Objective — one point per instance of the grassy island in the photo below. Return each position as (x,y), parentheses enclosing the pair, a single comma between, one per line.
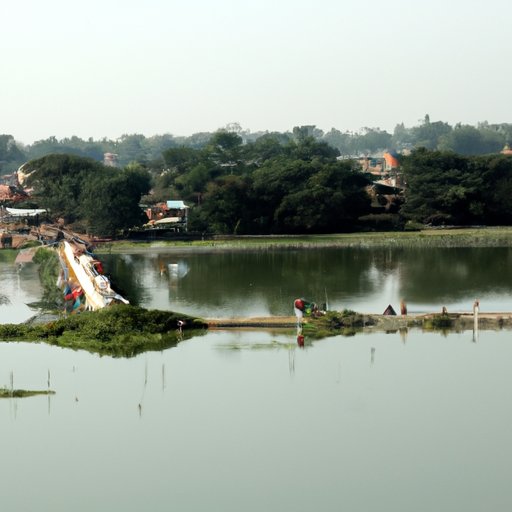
(119,331)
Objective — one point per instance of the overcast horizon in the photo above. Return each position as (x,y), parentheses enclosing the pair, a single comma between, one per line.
(104,69)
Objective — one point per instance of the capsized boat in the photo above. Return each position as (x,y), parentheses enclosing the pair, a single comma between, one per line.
(82,279)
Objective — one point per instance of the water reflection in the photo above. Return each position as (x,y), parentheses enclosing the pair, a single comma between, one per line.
(19,287)
(267,410)
(266,282)
(269,415)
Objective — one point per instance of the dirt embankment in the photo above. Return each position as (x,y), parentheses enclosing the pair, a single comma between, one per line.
(454,321)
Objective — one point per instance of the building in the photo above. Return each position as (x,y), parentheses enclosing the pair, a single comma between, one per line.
(391,162)
(171,215)
(110,159)
(10,194)
(506,150)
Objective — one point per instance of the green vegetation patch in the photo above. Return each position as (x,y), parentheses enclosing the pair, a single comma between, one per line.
(120,330)
(346,323)
(438,322)
(23,393)
(48,262)
(435,237)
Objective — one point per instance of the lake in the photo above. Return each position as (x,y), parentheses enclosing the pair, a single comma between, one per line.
(246,420)
(227,284)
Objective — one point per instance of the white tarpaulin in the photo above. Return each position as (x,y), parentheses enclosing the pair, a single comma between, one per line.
(22,212)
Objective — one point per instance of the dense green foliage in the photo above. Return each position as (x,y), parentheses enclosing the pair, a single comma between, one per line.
(267,186)
(103,199)
(238,182)
(120,330)
(464,139)
(447,188)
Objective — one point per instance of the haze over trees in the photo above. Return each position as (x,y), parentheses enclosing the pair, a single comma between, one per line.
(303,181)
(481,139)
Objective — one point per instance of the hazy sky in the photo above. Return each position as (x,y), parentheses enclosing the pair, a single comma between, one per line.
(102,68)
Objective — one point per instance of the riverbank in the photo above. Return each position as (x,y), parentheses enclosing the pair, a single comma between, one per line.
(457,237)
(500,236)
(115,335)
(125,331)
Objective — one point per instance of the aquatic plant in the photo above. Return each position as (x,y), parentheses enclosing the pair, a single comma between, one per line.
(22,393)
(346,322)
(438,322)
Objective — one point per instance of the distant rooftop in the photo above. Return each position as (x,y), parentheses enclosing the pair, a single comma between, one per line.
(176,205)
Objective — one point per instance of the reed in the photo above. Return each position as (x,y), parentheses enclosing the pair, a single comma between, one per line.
(435,237)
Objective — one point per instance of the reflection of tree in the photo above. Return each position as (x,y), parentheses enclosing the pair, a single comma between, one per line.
(125,277)
(274,278)
(454,273)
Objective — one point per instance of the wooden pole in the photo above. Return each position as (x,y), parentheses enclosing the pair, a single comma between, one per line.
(476,308)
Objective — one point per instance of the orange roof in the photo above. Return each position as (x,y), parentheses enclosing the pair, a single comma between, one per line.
(391,161)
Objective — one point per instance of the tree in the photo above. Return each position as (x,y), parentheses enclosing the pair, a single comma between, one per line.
(181,158)
(331,201)
(468,140)
(57,181)
(309,148)
(111,203)
(372,140)
(225,147)
(341,141)
(132,148)
(402,137)
(429,134)
(300,133)
(78,189)
(446,188)
(226,205)
(11,156)
(316,195)
(266,147)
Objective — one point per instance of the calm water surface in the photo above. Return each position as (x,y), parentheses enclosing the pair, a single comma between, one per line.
(248,421)
(222,423)
(261,283)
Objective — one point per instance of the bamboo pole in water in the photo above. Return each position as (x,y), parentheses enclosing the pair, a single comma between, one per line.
(476,308)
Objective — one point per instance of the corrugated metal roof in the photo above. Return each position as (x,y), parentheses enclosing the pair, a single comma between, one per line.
(178,205)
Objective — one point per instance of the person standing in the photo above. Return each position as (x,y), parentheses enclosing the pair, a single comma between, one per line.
(298,307)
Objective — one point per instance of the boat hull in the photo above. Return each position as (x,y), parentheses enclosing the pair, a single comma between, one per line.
(80,269)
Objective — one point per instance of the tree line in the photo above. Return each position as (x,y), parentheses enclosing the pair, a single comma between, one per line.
(273,185)
(262,187)
(465,139)
(446,188)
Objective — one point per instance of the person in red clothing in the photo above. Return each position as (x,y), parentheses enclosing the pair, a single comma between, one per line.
(75,296)
(298,307)
(303,307)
